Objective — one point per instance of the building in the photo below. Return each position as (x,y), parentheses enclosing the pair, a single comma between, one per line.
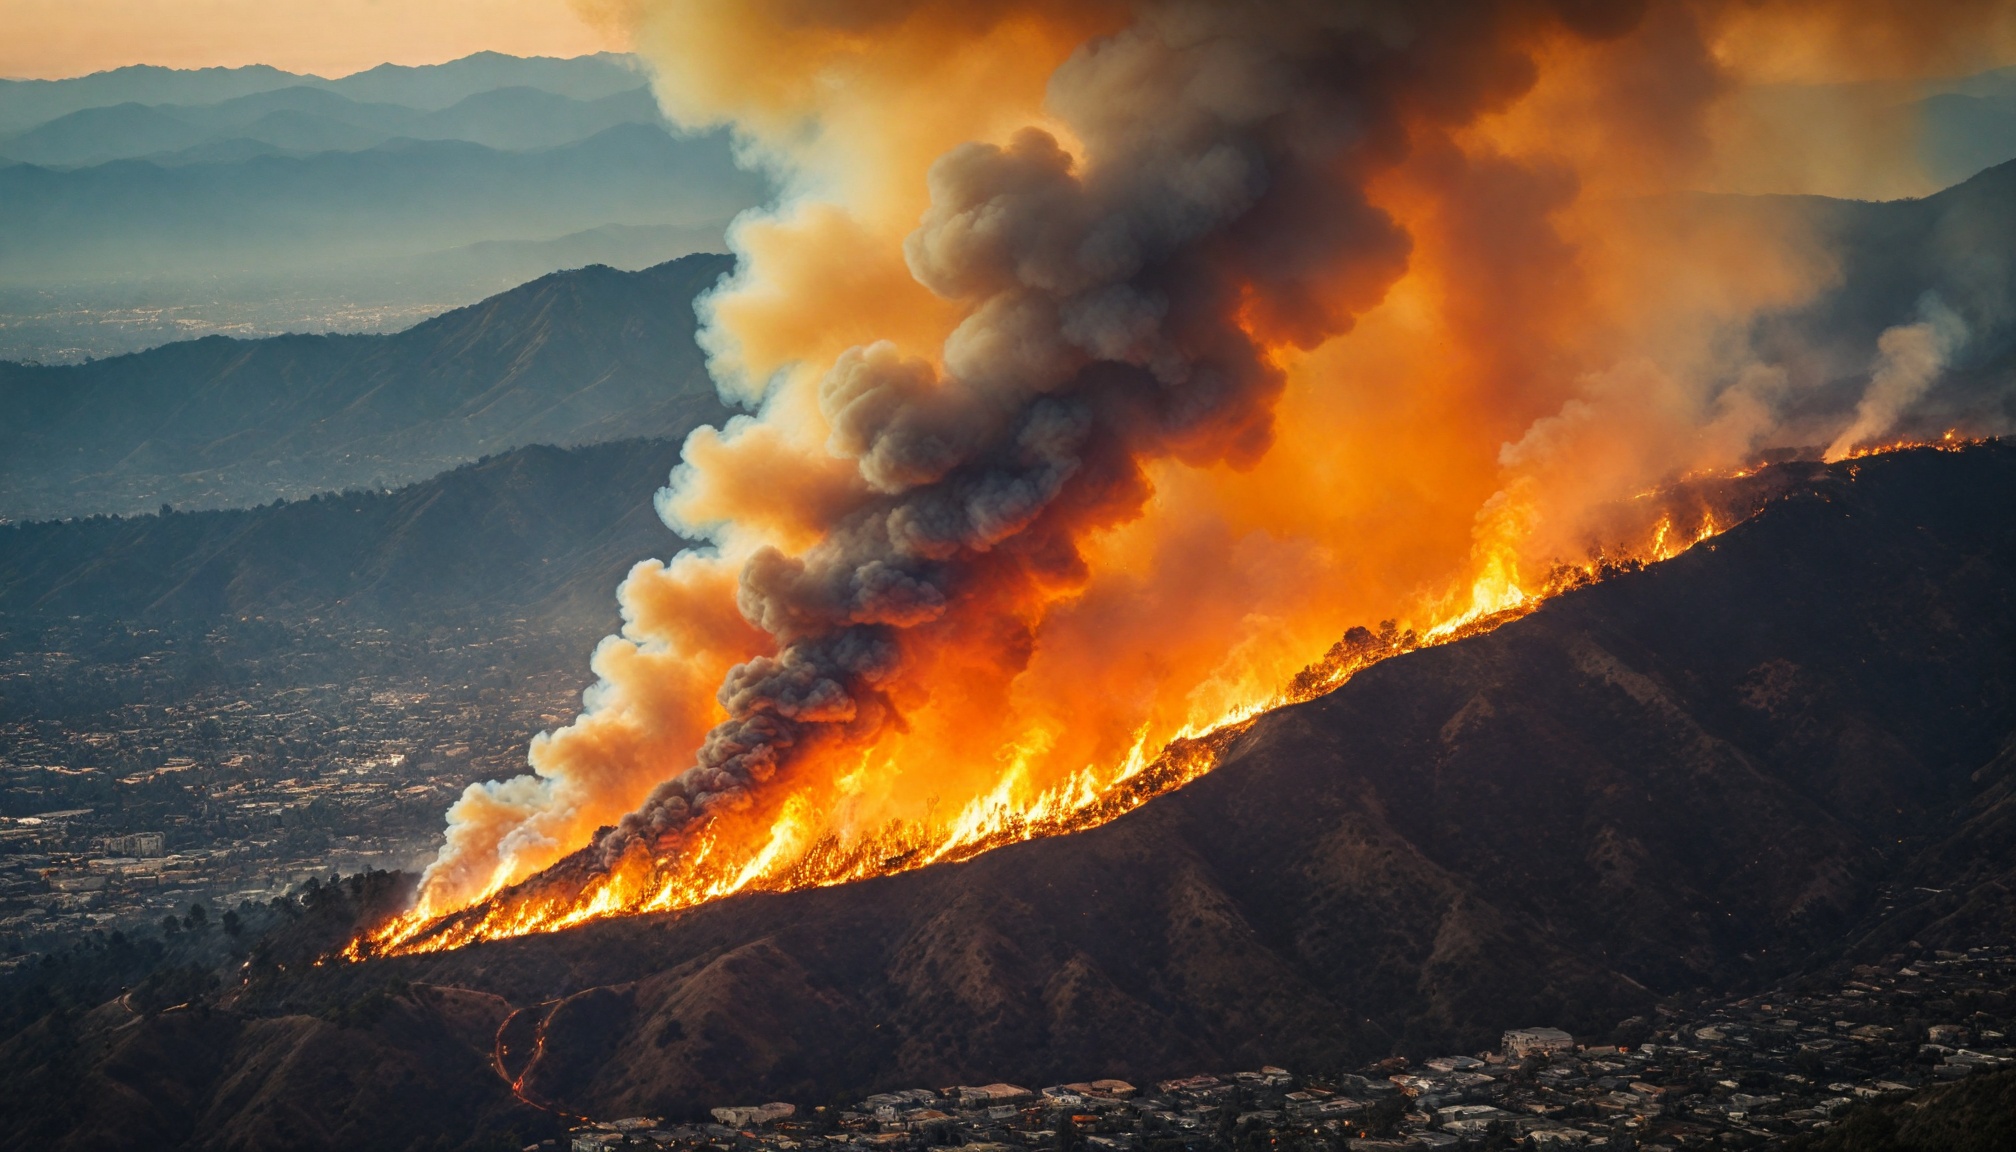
(146,845)
(1520,1043)
(754,1116)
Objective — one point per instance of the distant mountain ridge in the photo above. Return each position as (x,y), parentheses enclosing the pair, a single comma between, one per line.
(147,203)
(1885,260)
(307,119)
(26,103)
(132,217)
(572,358)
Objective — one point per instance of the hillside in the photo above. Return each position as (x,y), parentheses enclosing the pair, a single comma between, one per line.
(573,358)
(1696,778)
(1711,775)
(537,530)
(1881,263)
(1959,245)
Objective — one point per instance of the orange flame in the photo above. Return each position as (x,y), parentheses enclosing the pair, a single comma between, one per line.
(793,848)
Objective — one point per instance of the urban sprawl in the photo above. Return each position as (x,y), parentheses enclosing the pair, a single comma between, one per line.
(114,817)
(1748,1073)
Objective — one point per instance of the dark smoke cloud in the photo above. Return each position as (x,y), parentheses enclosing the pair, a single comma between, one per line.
(1120,299)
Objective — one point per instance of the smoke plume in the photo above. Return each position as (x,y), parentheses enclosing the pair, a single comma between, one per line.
(1909,358)
(1106,360)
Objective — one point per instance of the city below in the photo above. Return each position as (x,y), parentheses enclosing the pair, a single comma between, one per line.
(1749,1073)
(164,793)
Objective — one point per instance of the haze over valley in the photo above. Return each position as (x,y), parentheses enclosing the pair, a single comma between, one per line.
(145,205)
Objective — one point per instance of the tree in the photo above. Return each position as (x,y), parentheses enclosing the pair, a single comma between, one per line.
(198,916)
(232,925)
(1067,1134)
(170,925)
(1383,1118)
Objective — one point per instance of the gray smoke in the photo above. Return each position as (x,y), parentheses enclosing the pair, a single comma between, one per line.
(1117,305)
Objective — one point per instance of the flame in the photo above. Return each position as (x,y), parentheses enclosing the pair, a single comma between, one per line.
(798,847)
(1951,441)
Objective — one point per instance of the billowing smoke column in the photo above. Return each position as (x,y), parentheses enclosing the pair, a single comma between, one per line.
(1118,307)
(1909,358)
(1057,448)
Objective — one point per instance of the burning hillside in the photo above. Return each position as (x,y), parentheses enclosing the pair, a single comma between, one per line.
(797,851)
(1109,360)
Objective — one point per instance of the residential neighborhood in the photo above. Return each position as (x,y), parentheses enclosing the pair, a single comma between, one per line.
(146,801)
(1747,1073)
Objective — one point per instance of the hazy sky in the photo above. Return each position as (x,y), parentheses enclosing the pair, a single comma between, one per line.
(54,38)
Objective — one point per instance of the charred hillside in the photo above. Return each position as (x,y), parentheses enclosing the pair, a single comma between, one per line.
(1714,774)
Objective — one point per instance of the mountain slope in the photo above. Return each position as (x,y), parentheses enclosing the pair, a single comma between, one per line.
(1696,777)
(572,358)
(1879,264)
(94,135)
(538,529)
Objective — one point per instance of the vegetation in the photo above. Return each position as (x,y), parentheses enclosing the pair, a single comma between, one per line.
(1975,1115)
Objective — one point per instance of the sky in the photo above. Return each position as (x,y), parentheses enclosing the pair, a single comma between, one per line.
(50,39)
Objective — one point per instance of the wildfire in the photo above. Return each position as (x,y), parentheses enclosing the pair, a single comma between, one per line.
(795,849)
(1083,343)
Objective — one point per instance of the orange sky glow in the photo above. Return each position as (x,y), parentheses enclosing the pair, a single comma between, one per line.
(50,39)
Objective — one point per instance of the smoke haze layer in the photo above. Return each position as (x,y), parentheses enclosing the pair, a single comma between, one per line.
(1107,361)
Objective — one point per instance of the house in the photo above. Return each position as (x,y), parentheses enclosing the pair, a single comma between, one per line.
(1456,1063)
(1111,1089)
(141,844)
(1519,1043)
(987,1094)
(753,1116)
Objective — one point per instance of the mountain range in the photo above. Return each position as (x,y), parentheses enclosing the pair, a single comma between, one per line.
(345,210)
(577,357)
(27,103)
(307,119)
(148,204)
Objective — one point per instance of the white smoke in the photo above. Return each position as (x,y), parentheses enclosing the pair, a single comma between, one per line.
(1909,359)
